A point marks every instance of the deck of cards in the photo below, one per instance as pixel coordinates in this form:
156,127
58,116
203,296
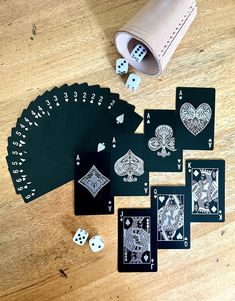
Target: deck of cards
55,127
86,133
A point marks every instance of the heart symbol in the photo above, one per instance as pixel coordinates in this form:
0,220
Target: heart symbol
195,120
101,146
120,119
161,198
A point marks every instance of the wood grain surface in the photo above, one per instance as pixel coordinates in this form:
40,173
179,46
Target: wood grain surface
52,42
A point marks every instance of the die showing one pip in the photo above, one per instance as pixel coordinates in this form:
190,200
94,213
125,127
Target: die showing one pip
80,237
139,52
133,82
96,243
121,66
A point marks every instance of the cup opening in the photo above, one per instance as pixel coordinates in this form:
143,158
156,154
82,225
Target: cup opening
125,43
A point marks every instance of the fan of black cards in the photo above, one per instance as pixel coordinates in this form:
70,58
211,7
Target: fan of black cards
57,125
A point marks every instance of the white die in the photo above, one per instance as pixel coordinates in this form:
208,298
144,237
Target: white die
121,66
96,244
80,237
133,81
139,52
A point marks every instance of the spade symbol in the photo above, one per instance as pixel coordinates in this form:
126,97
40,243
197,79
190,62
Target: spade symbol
128,222
129,165
120,119
146,257
179,236
101,147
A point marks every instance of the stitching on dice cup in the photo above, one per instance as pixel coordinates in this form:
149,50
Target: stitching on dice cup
178,28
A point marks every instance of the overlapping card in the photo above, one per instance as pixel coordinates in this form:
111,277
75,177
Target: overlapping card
57,125
92,129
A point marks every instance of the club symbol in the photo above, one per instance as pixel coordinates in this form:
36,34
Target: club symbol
163,141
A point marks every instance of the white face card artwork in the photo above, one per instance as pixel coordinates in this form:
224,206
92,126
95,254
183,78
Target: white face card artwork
136,235
170,217
205,198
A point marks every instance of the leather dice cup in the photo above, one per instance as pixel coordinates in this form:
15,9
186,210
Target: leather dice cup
160,26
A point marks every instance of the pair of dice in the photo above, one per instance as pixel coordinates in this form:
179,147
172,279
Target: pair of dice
96,243
133,80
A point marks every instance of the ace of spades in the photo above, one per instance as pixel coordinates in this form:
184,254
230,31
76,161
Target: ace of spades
128,175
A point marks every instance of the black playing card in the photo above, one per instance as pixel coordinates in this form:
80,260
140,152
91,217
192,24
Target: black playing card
92,184
37,177
171,205
128,173
137,241
206,182
160,150
195,117
58,124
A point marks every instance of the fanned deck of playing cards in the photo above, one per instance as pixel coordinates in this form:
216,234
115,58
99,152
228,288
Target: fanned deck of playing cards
86,133
56,126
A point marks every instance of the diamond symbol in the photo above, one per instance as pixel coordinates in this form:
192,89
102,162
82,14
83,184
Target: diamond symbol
196,173
214,209
94,181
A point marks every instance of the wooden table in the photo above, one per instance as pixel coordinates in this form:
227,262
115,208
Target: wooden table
48,43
